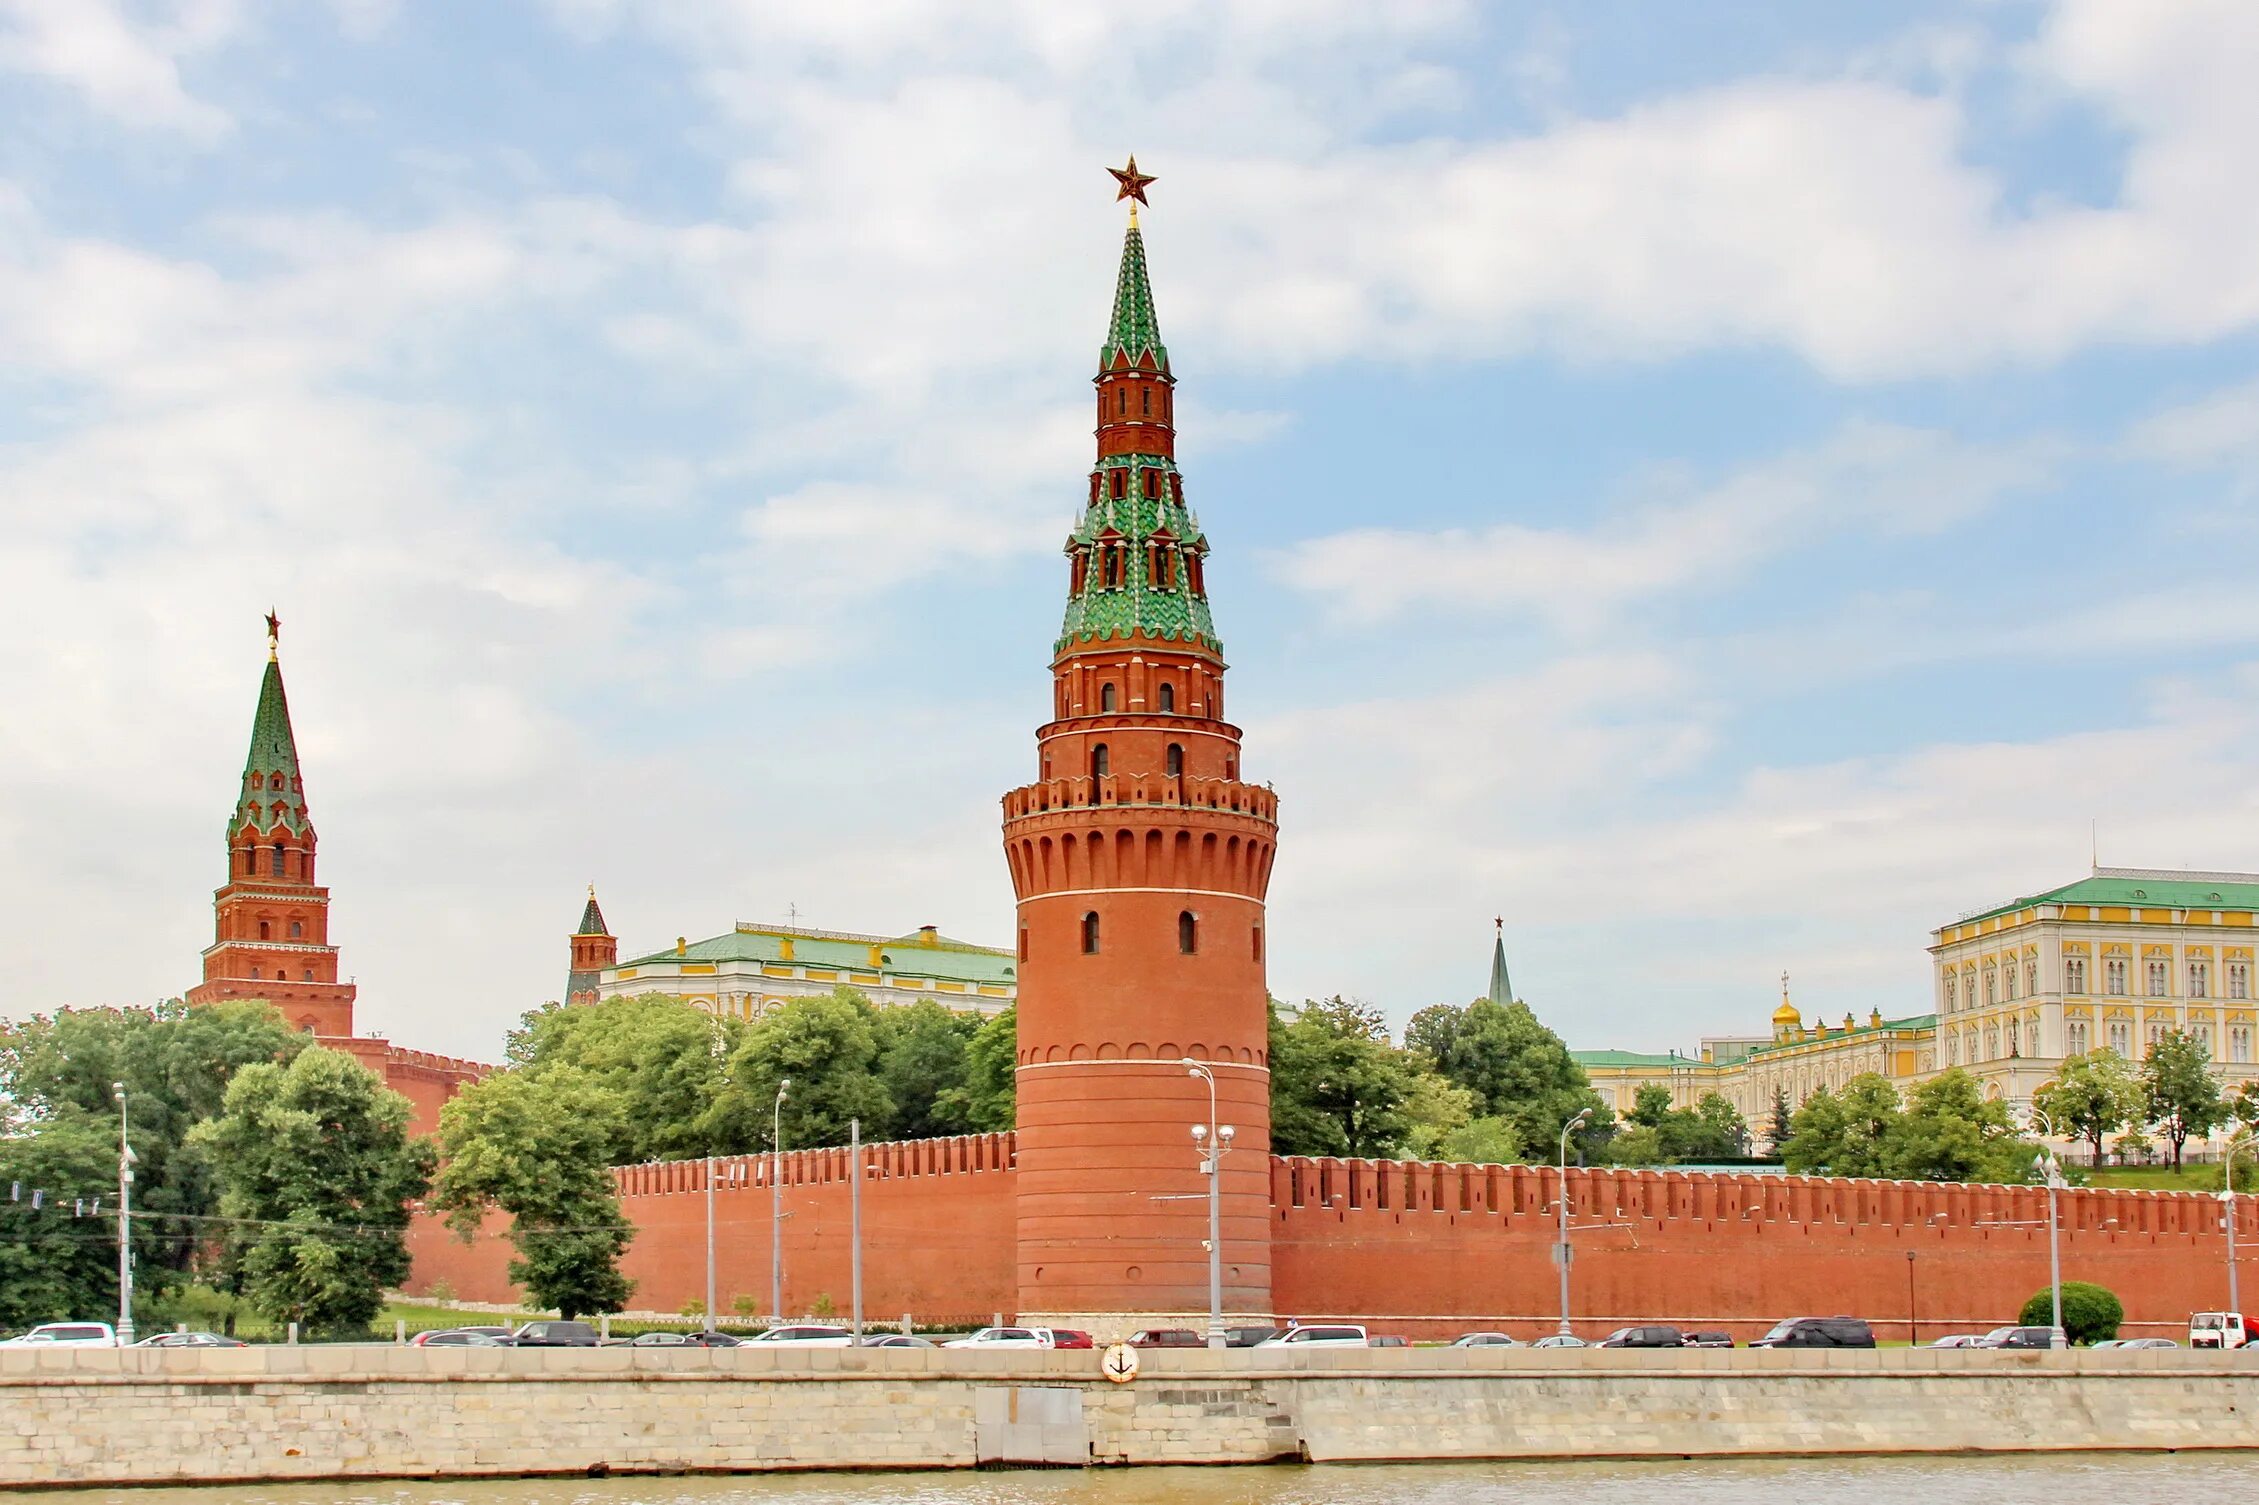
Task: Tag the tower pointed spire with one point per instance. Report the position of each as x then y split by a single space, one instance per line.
1501 986
1133 335
274 794
593 948
591 917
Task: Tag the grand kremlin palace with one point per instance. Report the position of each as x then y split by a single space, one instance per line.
2113 960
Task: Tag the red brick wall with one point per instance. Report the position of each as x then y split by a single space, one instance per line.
1462 1246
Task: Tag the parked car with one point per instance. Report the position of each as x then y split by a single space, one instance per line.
500 1335
2145 1342
1653 1336
1003 1337
1485 1340
1166 1337
191 1340
1958 1340
2221 1329
1070 1337
469 1337
67 1335
554 1335
1248 1337
1560 1340
1320 1335
803 1335
1709 1340
898 1340
1818 1332
2024 1337
1388 1340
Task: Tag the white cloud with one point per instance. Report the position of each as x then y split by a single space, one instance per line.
124 68
1868 478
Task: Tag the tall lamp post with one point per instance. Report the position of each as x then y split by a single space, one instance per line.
2227 1207
1561 1205
1912 1335
2052 1173
776 1203
1213 1141
126 1157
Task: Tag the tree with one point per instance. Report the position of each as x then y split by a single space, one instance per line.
1951 1132
1720 1132
54 1264
1777 1131
1520 1072
827 1047
316 1168
2091 1313
1436 1111
985 1102
2093 1095
1651 1106
538 1148
1337 1086
922 1062
1482 1141
1844 1135
1434 1030
2179 1094
659 1059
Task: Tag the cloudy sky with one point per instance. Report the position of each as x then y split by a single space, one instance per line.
1727 489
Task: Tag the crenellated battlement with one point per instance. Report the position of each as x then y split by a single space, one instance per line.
831 1165
1143 791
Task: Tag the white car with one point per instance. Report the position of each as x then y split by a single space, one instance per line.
802 1335
68 1335
1004 1337
1320 1335
1485 1340
1560 1340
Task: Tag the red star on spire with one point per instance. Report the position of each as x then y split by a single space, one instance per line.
1132 181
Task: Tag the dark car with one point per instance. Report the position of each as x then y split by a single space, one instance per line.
468 1337
1070 1337
1818 1332
2024 1337
1644 1337
1248 1337
555 1335
1709 1340
898 1340
1167 1337
1388 1340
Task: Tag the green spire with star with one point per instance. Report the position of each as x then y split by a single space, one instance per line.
1134 336
270 768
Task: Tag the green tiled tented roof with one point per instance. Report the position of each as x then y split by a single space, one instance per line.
274 751
1139 604
2134 887
1136 328
592 918
909 955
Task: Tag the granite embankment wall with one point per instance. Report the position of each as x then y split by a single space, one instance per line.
937 1233
180 1415
1398 1241
1430 1249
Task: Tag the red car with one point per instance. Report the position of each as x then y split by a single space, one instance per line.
1068 1337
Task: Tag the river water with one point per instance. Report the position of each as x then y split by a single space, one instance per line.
2081 1479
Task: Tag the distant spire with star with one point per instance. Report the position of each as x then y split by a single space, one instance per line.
1501 986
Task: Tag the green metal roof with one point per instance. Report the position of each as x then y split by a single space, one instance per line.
1135 329
274 752
912 955
1837 1032
1670 1059
2132 887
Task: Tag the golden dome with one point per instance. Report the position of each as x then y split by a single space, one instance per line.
1787 1014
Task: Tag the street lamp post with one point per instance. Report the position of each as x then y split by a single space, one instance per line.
2052 1172
126 1157
709 1243
1561 1205
2227 1206
1213 1141
1912 1335
776 1203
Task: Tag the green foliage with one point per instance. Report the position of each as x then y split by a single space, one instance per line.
1482 1141
657 1058
2180 1098
1436 1111
1651 1105
745 1304
1519 1072
984 1101
55 1265
1946 1131
2093 1095
316 1168
827 1046
1434 1030
1337 1086
538 1147
922 1065
1777 1129
2091 1313
1713 1129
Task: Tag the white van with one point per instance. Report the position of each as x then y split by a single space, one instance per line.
1319 1335
2220 1330
67 1335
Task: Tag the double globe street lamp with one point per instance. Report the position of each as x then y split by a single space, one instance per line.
1213 1141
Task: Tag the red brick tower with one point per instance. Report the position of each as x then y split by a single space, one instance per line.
272 919
594 949
1140 860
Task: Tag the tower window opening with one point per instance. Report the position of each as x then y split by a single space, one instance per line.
1094 485
1176 760
1152 485
1106 696
1176 487
1023 943
309 977
1090 934
1258 943
296 930
1188 933
250 861
1145 402
1164 568
1121 401
262 930
1168 696
1117 484
254 974
1231 766
278 860
1100 764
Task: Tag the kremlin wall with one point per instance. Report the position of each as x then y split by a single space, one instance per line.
1141 856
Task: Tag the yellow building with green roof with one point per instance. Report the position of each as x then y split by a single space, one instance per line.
756 966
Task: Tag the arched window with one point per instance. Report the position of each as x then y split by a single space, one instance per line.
1176 760
1090 934
1188 933
1117 484
1100 764
309 974
1153 485
1231 765
1106 696
1258 943
278 859
254 974
250 861
1145 401
1168 696
296 930
262 930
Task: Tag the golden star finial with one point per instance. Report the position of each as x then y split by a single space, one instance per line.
274 631
1131 185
